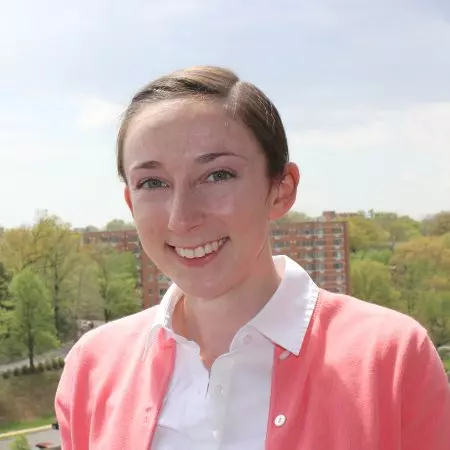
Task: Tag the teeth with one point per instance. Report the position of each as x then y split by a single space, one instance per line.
200 251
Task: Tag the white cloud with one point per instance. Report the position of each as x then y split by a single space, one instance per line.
422 128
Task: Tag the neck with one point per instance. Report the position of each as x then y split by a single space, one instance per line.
213 323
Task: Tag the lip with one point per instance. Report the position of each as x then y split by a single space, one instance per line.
197 262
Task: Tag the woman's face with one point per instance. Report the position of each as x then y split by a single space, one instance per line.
199 194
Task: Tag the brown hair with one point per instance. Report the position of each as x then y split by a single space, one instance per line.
243 101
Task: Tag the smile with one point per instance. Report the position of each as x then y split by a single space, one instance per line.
201 250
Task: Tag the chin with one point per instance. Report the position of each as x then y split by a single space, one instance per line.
204 289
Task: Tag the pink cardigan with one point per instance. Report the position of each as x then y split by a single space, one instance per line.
367 378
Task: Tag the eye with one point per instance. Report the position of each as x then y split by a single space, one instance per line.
152 183
220 175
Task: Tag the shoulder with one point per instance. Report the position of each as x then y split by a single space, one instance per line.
110 338
361 323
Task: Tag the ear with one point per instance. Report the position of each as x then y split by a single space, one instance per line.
284 192
127 195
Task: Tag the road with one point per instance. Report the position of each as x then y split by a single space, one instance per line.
33 439
58 353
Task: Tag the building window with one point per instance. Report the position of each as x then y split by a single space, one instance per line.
162 291
319 242
150 277
338 255
162 277
338 242
338 265
150 292
319 232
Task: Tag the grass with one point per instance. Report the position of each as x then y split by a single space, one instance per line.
27 401
18 426
447 364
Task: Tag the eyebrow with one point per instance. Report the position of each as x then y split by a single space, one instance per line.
202 159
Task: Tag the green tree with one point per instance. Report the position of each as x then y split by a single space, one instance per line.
398 228
26 246
51 248
117 282
382 256
119 225
371 281
83 290
6 306
437 225
365 233
62 255
294 216
420 271
32 325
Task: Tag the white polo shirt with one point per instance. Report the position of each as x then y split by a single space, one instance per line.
228 408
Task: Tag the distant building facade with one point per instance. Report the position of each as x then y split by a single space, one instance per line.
320 247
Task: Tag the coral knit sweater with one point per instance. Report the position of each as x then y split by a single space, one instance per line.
366 378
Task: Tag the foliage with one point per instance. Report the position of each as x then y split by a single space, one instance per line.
117 280
365 234
398 228
119 225
383 256
293 216
421 271
371 281
20 443
32 324
437 225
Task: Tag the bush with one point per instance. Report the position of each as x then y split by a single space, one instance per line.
20 443
55 364
61 363
16 372
48 365
25 370
41 367
7 374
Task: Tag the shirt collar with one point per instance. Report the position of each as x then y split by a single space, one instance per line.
286 316
284 319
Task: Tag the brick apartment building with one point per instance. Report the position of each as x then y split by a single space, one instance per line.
320 247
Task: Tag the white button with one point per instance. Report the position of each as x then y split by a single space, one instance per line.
248 338
218 390
285 354
279 420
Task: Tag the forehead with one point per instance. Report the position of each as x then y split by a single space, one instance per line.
189 126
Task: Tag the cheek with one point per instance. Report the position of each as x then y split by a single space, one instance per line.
240 209
149 216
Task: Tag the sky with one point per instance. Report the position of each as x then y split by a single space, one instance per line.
362 87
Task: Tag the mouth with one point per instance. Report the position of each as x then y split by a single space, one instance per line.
201 250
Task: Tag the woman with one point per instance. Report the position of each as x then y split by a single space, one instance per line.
244 352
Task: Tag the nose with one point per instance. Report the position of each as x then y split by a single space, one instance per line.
185 211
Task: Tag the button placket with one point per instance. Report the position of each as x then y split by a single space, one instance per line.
219 383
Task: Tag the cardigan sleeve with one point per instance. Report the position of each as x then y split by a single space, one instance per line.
425 399
64 399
